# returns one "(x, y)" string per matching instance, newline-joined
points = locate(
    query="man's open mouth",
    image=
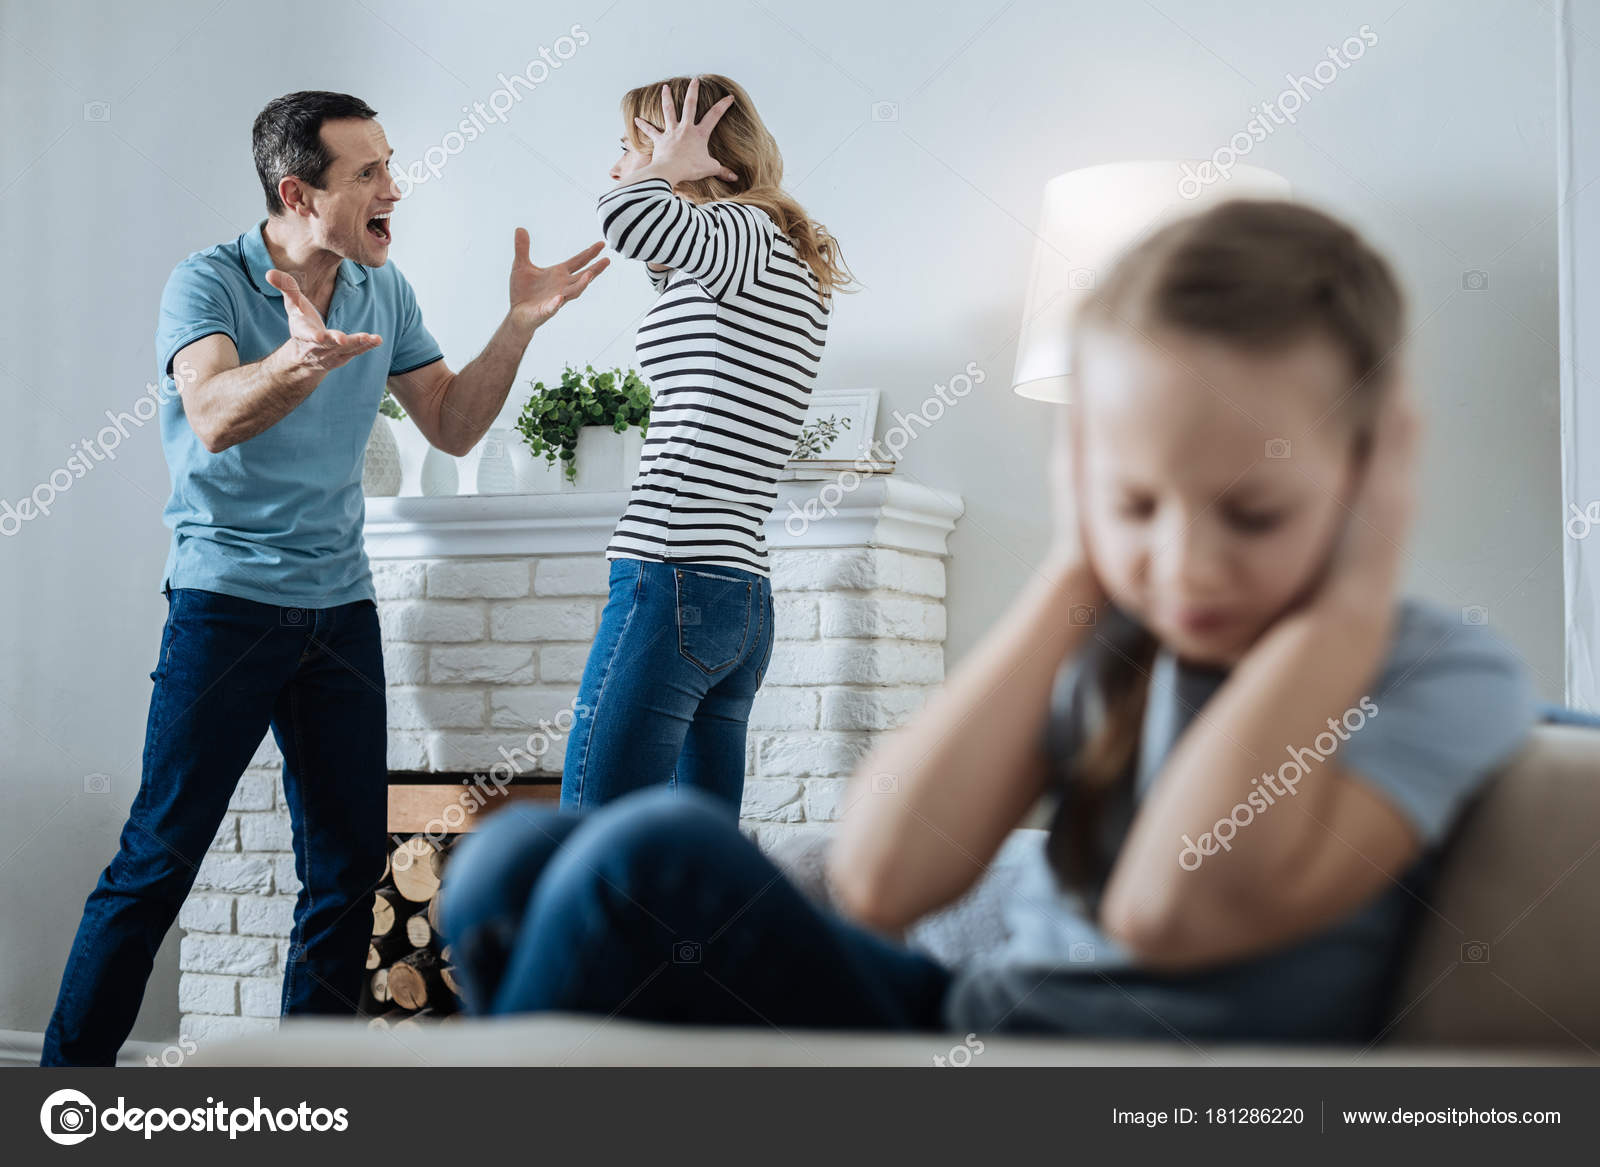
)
(378, 225)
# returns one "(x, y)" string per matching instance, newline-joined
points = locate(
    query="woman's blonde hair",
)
(1261, 275)
(742, 143)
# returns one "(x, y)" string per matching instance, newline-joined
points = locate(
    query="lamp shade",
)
(1088, 218)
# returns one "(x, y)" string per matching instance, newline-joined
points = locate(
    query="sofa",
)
(1504, 969)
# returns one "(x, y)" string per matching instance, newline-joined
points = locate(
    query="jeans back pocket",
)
(713, 617)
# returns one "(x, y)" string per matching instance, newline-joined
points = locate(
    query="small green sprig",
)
(389, 407)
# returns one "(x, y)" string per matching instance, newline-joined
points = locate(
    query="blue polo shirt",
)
(278, 518)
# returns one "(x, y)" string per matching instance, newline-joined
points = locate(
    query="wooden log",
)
(388, 908)
(380, 986)
(387, 949)
(447, 974)
(414, 980)
(418, 932)
(413, 866)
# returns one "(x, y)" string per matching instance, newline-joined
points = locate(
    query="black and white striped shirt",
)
(731, 350)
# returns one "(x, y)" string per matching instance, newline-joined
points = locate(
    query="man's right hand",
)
(312, 345)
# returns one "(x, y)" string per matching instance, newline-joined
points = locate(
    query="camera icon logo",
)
(292, 617)
(885, 111)
(688, 615)
(97, 111)
(68, 1117)
(1082, 614)
(1474, 614)
(686, 952)
(1475, 952)
(493, 448)
(97, 784)
(1081, 952)
(885, 784)
(1278, 448)
(1080, 279)
(1475, 281)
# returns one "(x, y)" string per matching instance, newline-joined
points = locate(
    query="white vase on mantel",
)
(507, 466)
(380, 471)
(496, 474)
(439, 473)
(606, 459)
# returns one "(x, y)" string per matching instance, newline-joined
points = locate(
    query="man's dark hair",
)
(287, 137)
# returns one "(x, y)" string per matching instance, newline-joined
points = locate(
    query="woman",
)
(1256, 746)
(731, 348)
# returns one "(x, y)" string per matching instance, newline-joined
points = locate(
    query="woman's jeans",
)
(228, 668)
(666, 693)
(657, 907)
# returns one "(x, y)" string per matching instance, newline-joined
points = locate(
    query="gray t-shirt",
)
(1452, 703)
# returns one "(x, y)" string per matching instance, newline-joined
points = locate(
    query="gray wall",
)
(1439, 143)
(1578, 215)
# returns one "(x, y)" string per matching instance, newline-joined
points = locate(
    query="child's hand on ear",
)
(1366, 565)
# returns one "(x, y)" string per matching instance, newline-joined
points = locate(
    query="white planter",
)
(606, 459)
(495, 472)
(380, 472)
(439, 473)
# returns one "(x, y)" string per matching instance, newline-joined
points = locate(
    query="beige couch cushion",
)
(1520, 889)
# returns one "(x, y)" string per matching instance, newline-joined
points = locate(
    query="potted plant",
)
(584, 422)
(380, 472)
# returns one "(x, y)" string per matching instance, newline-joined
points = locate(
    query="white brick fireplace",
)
(488, 605)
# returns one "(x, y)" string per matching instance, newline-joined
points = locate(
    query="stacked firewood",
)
(409, 972)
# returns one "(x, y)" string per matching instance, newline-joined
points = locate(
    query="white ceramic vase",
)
(380, 472)
(439, 473)
(496, 474)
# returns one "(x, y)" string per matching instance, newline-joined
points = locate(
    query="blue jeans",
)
(228, 668)
(666, 693)
(657, 907)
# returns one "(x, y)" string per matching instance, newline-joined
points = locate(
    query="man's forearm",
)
(235, 405)
(474, 397)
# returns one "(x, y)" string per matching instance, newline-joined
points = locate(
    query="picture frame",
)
(860, 406)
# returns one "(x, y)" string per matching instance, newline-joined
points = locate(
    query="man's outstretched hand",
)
(537, 293)
(313, 345)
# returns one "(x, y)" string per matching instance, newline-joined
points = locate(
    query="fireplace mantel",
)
(883, 511)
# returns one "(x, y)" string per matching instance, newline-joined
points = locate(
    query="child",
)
(1254, 747)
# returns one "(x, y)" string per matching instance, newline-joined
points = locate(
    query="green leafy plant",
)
(552, 417)
(817, 437)
(389, 407)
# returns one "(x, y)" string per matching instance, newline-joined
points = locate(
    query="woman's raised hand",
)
(680, 151)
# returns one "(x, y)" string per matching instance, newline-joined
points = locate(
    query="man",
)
(279, 344)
